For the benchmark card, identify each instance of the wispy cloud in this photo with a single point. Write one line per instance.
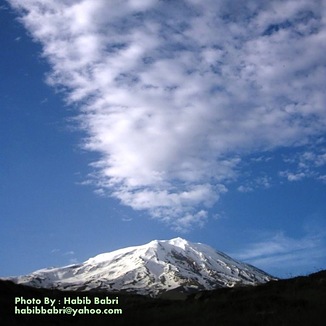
(308, 163)
(172, 94)
(68, 255)
(280, 250)
(256, 183)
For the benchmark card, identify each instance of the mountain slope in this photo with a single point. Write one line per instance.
(151, 269)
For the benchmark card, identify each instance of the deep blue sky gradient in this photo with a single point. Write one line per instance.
(49, 218)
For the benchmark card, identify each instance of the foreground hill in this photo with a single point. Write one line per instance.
(296, 301)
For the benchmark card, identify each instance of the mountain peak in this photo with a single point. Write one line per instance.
(179, 242)
(151, 269)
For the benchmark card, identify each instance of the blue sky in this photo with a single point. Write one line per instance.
(127, 122)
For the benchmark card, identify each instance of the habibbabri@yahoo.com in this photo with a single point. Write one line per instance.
(66, 305)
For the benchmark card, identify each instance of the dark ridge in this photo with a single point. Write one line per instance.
(296, 301)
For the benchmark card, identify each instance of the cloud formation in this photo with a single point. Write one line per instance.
(173, 94)
(281, 250)
(309, 163)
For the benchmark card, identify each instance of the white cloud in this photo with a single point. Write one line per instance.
(280, 250)
(243, 188)
(68, 255)
(172, 94)
(278, 244)
(306, 163)
(262, 182)
(292, 176)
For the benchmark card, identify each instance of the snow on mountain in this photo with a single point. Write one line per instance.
(151, 269)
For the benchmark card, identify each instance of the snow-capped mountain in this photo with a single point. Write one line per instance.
(151, 269)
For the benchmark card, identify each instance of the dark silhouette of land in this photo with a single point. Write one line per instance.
(296, 301)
